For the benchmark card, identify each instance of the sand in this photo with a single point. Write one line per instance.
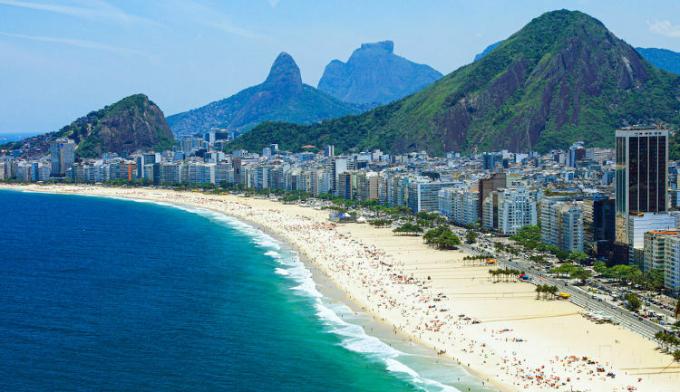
(506, 337)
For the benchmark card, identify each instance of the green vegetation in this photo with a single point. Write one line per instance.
(408, 229)
(630, 274)
(430, 219)
(504, 275)
(546, 291)
(125, 126)
(573, 271)
(563, 77)
(633, 302)
(669, 343)
(380, 222)
(442, 238)
(471, 237)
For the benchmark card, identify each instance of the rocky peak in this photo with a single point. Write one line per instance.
(374, 75)
(284, 74)
(385, 46)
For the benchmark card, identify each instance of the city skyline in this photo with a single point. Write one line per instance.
(60, 50)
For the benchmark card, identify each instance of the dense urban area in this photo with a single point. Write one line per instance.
(592, 225)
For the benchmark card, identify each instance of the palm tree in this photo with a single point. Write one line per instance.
(676, 313)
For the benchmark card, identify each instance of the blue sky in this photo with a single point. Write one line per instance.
(61, 59)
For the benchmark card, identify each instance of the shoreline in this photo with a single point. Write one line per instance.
(401, 282)
(333, 294)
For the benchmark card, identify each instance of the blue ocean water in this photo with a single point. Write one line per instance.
(104, 294)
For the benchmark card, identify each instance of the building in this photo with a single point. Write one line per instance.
(641, 223)
(641, 185)
(562, 224)
(516, 208)
(337, 166)
(62, 156)
(655, 243)
(599, 215)
(488, 185)
(459, 205)
(345, 188)
(367, 185)
(672, 264)
(576, 153)
(424, 196)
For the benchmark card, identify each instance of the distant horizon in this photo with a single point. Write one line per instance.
(185, 54)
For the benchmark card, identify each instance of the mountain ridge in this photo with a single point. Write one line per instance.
(282, 96)
(128, 125)
(664, 59)
(563, 77)
(375, 75)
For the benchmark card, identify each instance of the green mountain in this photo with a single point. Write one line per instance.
(563, 77)
(374, 75)
(487, 50)
(662, 58)
(282, 97)
(131, 124)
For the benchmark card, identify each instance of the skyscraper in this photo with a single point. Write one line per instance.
(62, 156)
(641, 177)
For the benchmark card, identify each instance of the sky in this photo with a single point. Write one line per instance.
(60, 59)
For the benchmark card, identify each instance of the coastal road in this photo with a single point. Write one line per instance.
(581, 298)
(586, 301)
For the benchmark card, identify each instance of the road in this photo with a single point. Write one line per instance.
(586, 301)
(581, 298)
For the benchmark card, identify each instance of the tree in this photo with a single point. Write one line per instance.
(528, 236)
(408, 228)
(578, 257)
(442, 238)
(471, 236)
(539, 291)
(581, 274)
(633, 302)
(600, 267)
(676, 312)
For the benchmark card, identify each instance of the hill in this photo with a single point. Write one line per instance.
(374, 75)
(487, 50)
(563, 77)
(131, 124)
(665, 59)
(282, 97)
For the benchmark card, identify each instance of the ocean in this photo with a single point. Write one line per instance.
(107, 294)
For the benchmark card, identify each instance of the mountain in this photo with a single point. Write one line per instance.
(131, 124)
(563, 77)
(374, 75)
(487, 50)
(662, 58)
(282, 97)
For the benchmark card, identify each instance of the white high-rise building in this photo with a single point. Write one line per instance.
(516, 209)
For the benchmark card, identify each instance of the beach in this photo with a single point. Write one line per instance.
(499, 331)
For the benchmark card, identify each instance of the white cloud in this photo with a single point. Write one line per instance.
(665, 27)
(214, 18)
(74, 42)
(90, 9)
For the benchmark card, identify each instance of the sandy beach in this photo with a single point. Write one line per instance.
(499, 331)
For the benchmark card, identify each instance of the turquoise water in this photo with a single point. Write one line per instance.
(104, 294)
